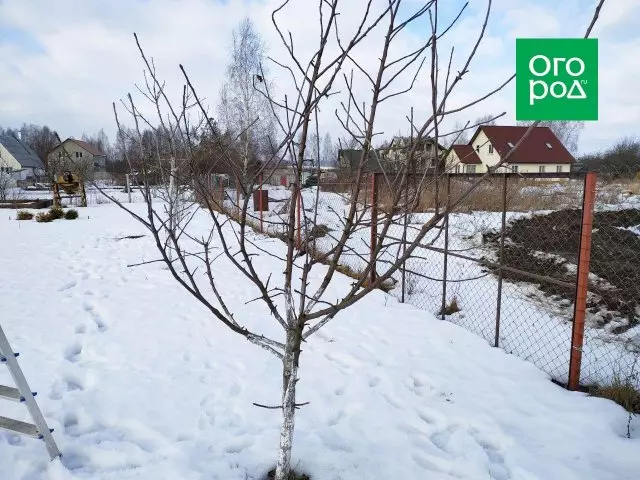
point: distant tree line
(622, 160)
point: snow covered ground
(140, 382)
(533, 326)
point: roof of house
(466, 154)
(26, 157)
(353, 156)
(540, 146)
(404, 142)
(87, 146)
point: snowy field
(140, 382)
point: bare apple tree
(298, 302)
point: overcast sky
(63, 62)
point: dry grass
(451, 308)
(621, 392)
(44, 217)
(292, 476)
(523, 195)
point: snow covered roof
(26, 157)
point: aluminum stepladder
(23, 394)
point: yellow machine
(71, 185)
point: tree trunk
(289, 380)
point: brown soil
(615, 257)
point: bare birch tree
(298, 299)
(243, 110)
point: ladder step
(4, 359)
(11, 393)
(19, 427)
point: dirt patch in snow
(548, 244)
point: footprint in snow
(432, 417)
(73, 383)
(235, 389)
(393, 400)
(343, 360)
(96, 316)
(374, 381)
(336, 418)
(237, 445)
(430, 462)
(70, 421)
(68, 383)
(333, 441)
(73, 351)
(497, 467)
(68, 286)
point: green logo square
(556, 79)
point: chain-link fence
(508, 264)
(545, 266)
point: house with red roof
(540, 152)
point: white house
(18, 160)
(73, 154)
(540, 152)
(463, 159)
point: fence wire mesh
(611, 351)
(507, 269)
(504, 263)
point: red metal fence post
(260, 204)
(443, 308)
(238, 198)
(221, 196)
(374, 224)
(299, 216)
(582, 281)
(503, 228)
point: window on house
(490, 148)
(514, 168)
(471, 169)
(541, 169)
(478, 148)
(77, 154)
(80, 154)
(457, 169)
(559, 168)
